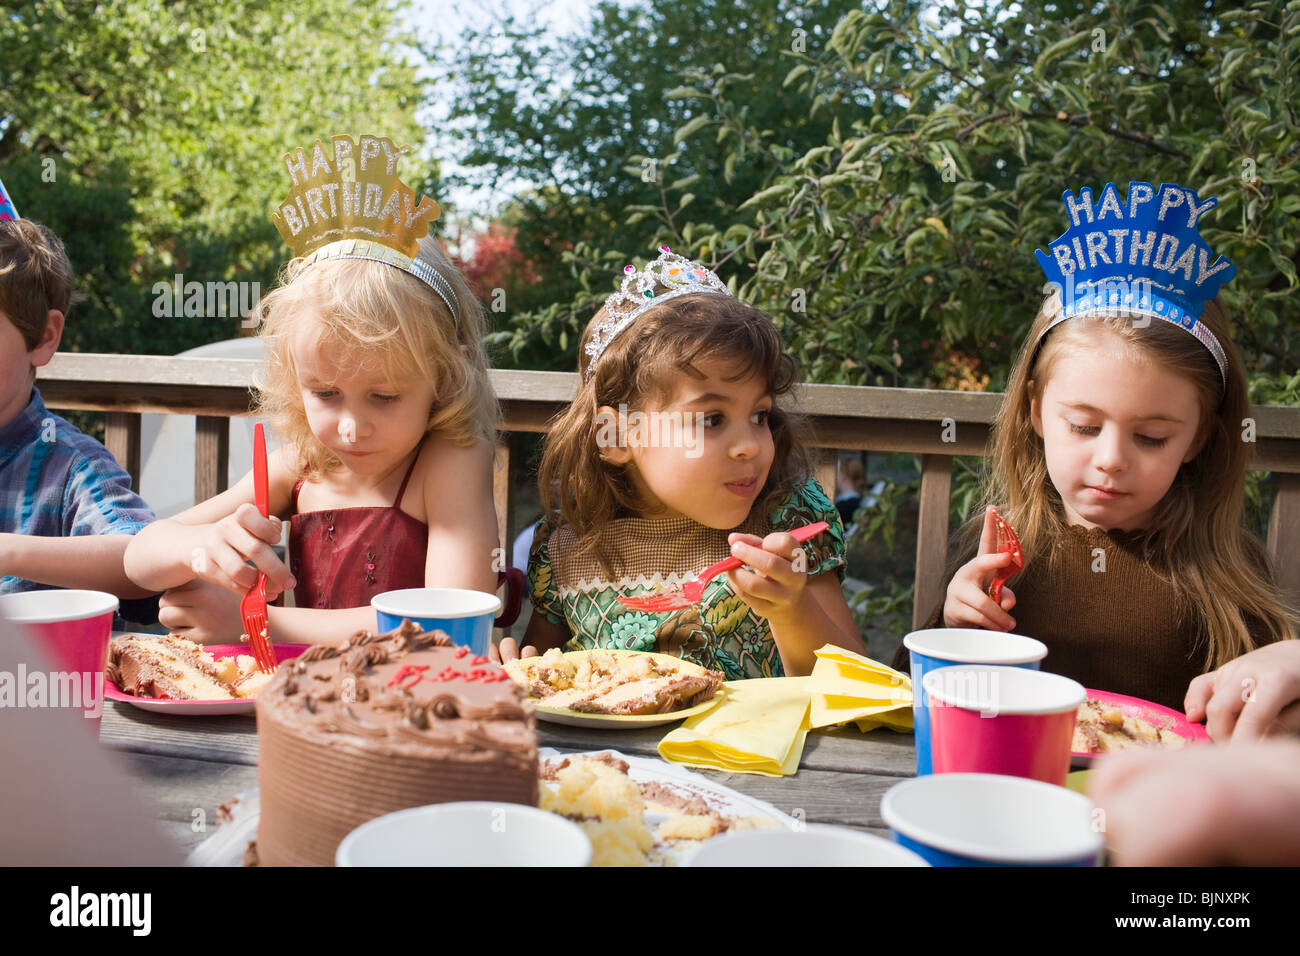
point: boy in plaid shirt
(67, 510)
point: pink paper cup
(72, 627)
(1002, 720)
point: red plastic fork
(1006, 542)
(692, 592)
(253, 606)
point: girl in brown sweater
(1119, 455)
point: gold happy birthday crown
(356, 207)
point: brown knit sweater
(1119, 629)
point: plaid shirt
(56, 481)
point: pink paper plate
(205, 708)
(1163, 717)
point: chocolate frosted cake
(381, 723)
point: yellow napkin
(849, 687)
(759, 727)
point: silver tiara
(679, 274)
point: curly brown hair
(640, 367)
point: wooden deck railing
(936, 425)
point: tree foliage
(905, 234)
(598, 127)
(148, 136)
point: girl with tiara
(675, 454)
(1119, 456)
(377, 383)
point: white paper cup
(815, 845)
(481, 833)
(980, 819)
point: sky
(441, 20)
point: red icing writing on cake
(408, 675)
(408, 670)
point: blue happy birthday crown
(1143, 256)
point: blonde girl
(377, 383)
(676, 453)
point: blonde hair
(640, 366)
(1196, 542)
(378, 317)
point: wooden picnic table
(189, 764)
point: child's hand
(776, 585)
(968, 603)
(509, 650)
(201, 612)
(1254, 696)
(228, 544)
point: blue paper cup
(466, 616)
(983, 819)
(945, 646)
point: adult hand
(1205, 805)
(1257, 695)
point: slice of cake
(597, 791)
(172, 668)
(606, 803)
(168, 668)
(250, 680)
(625, 683)
(378, 724)
(653, 695)
(1103, 728)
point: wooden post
(1283, 533)
(931, 535)
(501, 491)
(122, 439)
(503, 501)
(211, 456)
(824, 467)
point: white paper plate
(226, 847)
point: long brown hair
(639, 366)
(1196, 542)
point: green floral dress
(722, 633)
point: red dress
(344, 557)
